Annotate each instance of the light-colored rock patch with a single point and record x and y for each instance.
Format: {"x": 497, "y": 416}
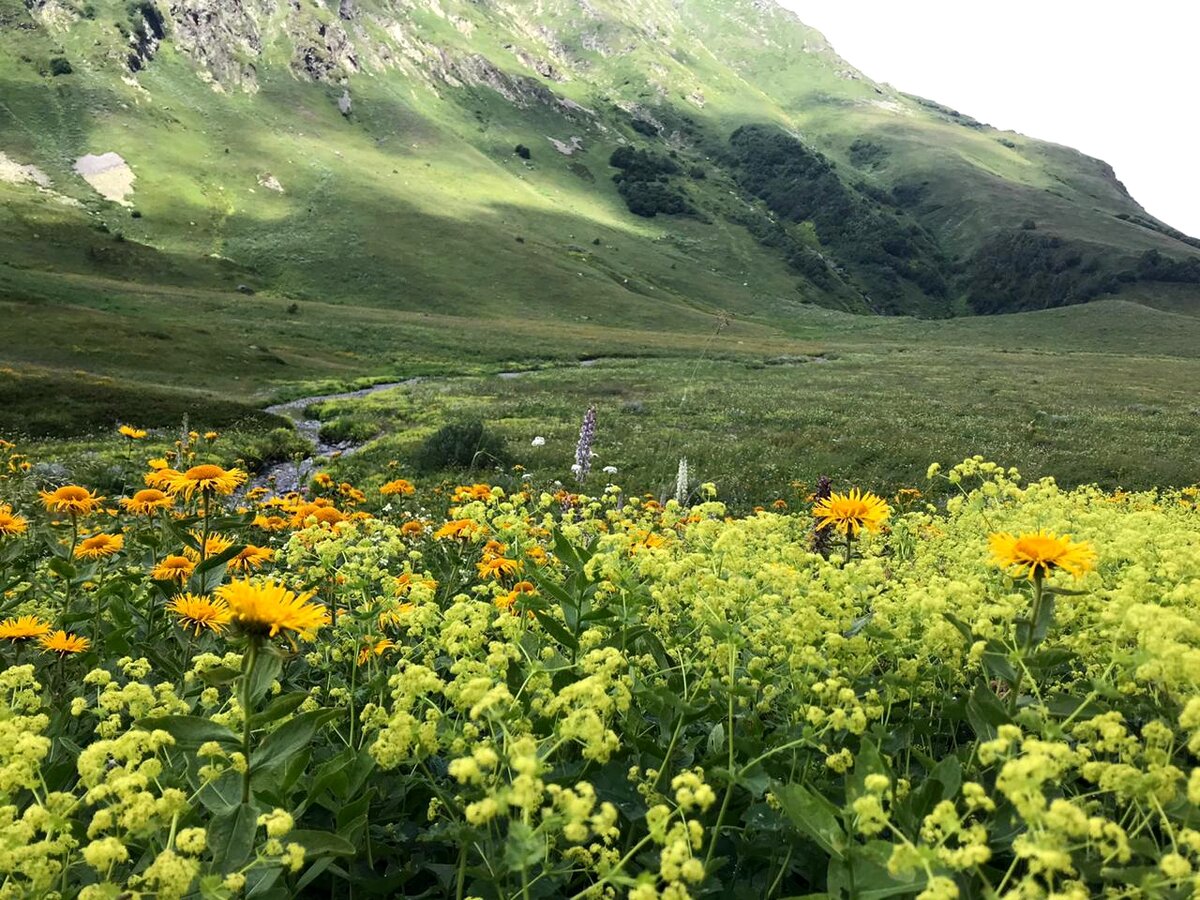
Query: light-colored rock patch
{"x": 270, "y": 182}
{"x": 567, "y": 148}
{"x": 15, "y": 173}
{"x": 109, "y": 175}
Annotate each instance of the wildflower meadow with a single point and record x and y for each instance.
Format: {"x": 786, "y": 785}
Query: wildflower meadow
{"x": 514, "y": 690}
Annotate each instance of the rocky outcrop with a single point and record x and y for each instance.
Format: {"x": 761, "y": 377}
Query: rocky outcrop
{"x": 323, "y": 51}
{"x": 222, "y": 37}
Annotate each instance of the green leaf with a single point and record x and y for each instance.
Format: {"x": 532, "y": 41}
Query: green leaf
{"x": 62, "y": 568}
{"x": 222, "y": 796}
{"x": 963, "y": 628}
{"x": 949, "y": 773}
{"x": 218, "y": 676}
{"x": 322, "y": 843}
{"x": 556, "y": 630}
{"x": 996, "y": 662}
{"x": 289, "y": 738}
{"x": 231, "y": 837}
{"x": 266, "y": 669}
{"x": 716, "y": 738}
{"x": 867, "y": 761}
{"x": 985, "y": 712}
{"x": 864, "y": 875}
{"x": 814, "y": 816}
{"x": 523, "y": 849}
{"x": 190, "y": 731}
{"x": 1045, "y": 618}
{"x": 283, "y": 705}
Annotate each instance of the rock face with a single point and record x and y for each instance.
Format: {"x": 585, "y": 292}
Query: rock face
{"x": 223, "y": 39}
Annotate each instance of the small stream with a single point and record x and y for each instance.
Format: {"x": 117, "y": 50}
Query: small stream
{"x": 289, "y": 476}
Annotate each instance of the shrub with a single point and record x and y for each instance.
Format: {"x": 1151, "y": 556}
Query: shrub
{"x": 348, "y": 430}
{"x": 641, "y": 126}
{"x": 461, "y": 445}
{"x": 60, "y": 66}
{"x": 522, "y": 151}
{"x": 263, "y": 448}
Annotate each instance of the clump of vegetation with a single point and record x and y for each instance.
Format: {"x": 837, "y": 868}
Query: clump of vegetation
{"x": 522, "y": 151}
{"x": 348, "y": 430}
{"x": 888, "y": 252}
{"x": 60, "y": 66}
{"x": 1026, "y": 269}
{"x": 404, "y": 689}
{"x": 645, "y": 182}
{"x": 259, "y": 449}
{"x": 461, "y": 445}
{"x": 645, "y": 127}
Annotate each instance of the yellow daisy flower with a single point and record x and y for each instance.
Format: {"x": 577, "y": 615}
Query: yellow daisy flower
{"x": 99, "y": 546}
{"x": 199, "y": 613}
{"x": 1037, "y": 554}
{"x": 850, "y": 513}
{"x": 205, "y": 479}
{"x": 71, "y": 499}
{"x": 62, "y": 643}
{"x": 10, "y": 523}
{"x": 23, "y": 628}
{"x": 174, "y": 568}
{"x": 268, "y": 608}
{"x": 147, "y": 502}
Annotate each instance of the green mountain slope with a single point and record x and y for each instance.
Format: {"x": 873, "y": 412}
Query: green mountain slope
{"x": 628, "y": 167}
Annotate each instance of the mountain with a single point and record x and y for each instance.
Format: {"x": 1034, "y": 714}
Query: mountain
{"x": 628, "y": 164}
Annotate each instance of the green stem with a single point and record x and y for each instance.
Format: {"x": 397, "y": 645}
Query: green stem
{"x": 247, "y": 671}
{"x": 461, "y": 880}
{"x": 204, "y": 530}
{"x": 712, "y": 846}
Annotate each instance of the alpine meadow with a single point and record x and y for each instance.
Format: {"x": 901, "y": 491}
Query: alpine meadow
{"x": 532, "y": 449}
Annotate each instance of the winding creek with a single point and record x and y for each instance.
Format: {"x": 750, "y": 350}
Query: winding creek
{"x": 290, "y": 475}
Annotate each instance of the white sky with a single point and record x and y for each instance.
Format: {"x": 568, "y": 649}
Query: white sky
{"x": 1117, "y": 80}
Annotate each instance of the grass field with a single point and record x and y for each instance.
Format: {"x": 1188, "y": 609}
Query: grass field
{"x": 1099, "y": 393}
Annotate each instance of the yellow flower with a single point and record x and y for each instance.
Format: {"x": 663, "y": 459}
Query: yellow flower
{"x": 206, "y": 479}
{"x": 10, "y": 523}
{"x": 321, "y": 511}
{"x": 850, "y": 513}
{"x": 251, "y": 557}
{"x": 72, "y": 499}
{"x": 174, "y": 568}
{"x": 160, "y": 477}
{"x": 270, "y": 523}
{"x": 199, "y": 613}
{"x": 214, "y": 546}
{"x": 395, "y": 617}
{"x": 498, "y": 567}
{"x": 268, "y": 608}
{"x": 134, "y": 434}
{"x": 508, "y": 601}
{"x": 399, "y": 486}
{"x": 99, "y": 546}
{"x": 211, "y": 435}
{"x": 62, "y": 643}
{"x": 412, "y": 528}
{"x": 23, "y": 628}
{"x": 147, "y": 502}
{"x": 457, "y": 528}
{"x": 377, "y": 649}
{"x": 1038, "y": 553}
